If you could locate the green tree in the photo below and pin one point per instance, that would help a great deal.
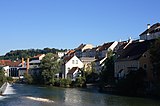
(134, 83)
(28, 78)
(155, 60)
(2, 76)
(107, 72)
(49, 66)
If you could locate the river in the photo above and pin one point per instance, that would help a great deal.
(29, 95)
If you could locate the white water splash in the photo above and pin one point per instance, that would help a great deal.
(40, 99)
(9, 90)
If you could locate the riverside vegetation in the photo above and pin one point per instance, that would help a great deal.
(135, 81)
(50, 65)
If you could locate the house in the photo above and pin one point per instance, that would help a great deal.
(81, 48)
(152, 32)
(98, 64)
(87, 61)
(11, 67)
(133, 56)
(90, 52)
(61, 54)
(69, 63)
(35, 61)
(105, 48)
(34, 64)
(74, 73)
(102, 54)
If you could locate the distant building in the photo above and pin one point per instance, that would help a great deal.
(87, 61)
(152, 32)
(61, 54)
(34, 64)
(81, 48)
(105, 48)
(35, 61)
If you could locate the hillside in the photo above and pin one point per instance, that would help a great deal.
(18, 54)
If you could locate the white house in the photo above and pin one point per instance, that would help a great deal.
(69, 63)
(152, 32)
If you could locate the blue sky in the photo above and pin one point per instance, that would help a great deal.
(26, 24)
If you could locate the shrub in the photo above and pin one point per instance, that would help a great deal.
(9, 79)
(28, 78)
(65, 82)
(80, 82)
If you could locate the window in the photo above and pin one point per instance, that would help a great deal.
(145, 66)
(68, 68)
(144, 55)
(76, 61)
(72, 61)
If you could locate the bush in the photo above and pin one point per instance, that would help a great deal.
(28, 78)
(9, 79)
(65, 82)
(2, 77)
(80, 82)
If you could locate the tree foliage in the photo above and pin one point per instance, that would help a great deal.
(155, 58)
(134, 83)
(2, 76)
(28, 78)
(107, 72)
(49, 66)
(18, 54)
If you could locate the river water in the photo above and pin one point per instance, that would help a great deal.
(29, 95)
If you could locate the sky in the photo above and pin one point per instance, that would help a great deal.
(27, 24)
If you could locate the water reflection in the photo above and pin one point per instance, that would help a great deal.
(17, 96)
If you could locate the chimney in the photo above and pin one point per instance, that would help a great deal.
(148, 26)
(130, 40)
(22, 62)
(27, 65)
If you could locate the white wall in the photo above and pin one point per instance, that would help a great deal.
(150, 36)
(69, 65)
(6, 70)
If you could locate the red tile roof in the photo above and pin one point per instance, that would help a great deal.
(10, 63)
(70, 52)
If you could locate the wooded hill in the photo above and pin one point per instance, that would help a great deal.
(18, 54)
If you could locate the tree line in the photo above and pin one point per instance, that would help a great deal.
(18, 54)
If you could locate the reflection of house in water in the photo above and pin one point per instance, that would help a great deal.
(71, 97)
